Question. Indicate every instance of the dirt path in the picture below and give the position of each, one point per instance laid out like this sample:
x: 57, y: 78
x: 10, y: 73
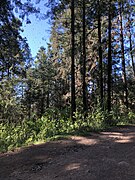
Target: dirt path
x: 103, y: 156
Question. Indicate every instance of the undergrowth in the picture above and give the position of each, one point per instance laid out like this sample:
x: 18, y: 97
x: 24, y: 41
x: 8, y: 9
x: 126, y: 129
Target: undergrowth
x: 13, y: 135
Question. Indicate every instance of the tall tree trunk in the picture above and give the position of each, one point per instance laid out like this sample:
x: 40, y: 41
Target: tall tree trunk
x: 109, y: 60
x: 47, y: 99
x: 29, y: 101
x: 42, y: 103
x: 2, y: 71
x: 123, y: 57
x: 131, y: 48
x: 84, y: 61
x: 73, y: 98
x: 100, y: 56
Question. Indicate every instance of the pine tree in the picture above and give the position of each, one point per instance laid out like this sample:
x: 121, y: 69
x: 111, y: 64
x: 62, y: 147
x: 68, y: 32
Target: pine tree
x: 73, y: 99
x: 109, y: 57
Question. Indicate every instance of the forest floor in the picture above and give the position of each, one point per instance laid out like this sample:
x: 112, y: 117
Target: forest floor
x: 106, y: 155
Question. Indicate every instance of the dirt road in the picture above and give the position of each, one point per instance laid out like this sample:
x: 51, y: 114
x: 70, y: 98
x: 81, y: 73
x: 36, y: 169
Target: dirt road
x: 99, y: 156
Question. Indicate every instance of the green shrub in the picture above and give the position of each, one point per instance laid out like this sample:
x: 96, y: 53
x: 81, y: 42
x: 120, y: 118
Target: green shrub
x: 27, y: 132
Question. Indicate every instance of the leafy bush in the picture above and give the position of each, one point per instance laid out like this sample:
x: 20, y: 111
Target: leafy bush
x: 131, y: 117
x: 27, y: 132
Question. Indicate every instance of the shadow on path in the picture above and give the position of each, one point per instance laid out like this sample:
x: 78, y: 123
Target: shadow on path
x: 107, y: 155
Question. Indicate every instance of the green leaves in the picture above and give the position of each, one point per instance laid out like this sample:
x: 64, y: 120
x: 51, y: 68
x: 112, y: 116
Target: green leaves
x: 24, y: 133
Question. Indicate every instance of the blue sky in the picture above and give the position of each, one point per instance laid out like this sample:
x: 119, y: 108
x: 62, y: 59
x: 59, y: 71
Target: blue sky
x: 37, y: 33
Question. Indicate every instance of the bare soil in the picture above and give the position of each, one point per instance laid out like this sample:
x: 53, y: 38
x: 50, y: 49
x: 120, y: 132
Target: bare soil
x: 106, y: 155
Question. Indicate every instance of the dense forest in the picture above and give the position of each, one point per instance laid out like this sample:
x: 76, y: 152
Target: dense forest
x: 85, y: 79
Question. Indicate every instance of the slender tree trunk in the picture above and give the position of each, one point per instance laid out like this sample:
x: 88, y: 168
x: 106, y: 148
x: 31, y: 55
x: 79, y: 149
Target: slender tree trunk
x: 131, y: 48
x: 2, y: 72
x: 73, y: 98
x: 109, y: 61
x: 29, y: 101
x: 123, y: 57
x: 60, y: 96
x: 8, y: 72
x: 22, y: 98
x: 42, y: 104
x: 84, y: 61
x: 100, y: 56
x: 47, y: 99
x: 131, y: 53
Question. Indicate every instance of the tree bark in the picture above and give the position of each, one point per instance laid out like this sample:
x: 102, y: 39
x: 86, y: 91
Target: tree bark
x: 100, y: 56
x: 47, y: 99
x: 123, y: 57
x: 131, y: 48
x: 109, y: 60
x: 73, y: 98
x: 84, y: 61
